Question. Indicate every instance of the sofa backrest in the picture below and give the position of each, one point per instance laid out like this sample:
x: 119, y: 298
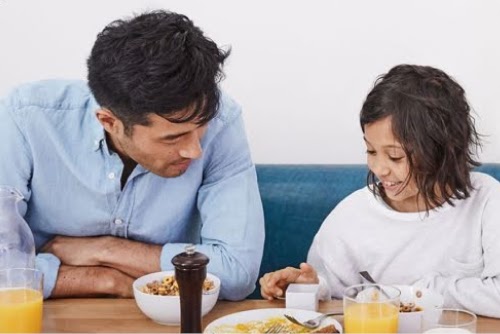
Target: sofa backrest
x: 296, y: 200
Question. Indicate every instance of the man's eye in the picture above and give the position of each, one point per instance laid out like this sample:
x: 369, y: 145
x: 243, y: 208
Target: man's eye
x: 171, y: 141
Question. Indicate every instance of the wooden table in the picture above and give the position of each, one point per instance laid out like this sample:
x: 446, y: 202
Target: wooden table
x: 122, y: 315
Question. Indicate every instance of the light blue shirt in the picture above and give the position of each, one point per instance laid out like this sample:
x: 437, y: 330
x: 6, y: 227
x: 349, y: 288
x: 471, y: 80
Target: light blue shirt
x: 53, y: 149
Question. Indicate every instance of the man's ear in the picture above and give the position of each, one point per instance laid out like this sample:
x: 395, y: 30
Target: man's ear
x: 108, y: 120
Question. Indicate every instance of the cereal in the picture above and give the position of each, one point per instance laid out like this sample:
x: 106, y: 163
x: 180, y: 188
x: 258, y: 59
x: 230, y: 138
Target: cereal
x: 409, y: 307
x: 168, y: 287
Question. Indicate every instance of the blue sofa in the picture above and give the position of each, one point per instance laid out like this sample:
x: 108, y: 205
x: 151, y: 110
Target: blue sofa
x: 296, y: 200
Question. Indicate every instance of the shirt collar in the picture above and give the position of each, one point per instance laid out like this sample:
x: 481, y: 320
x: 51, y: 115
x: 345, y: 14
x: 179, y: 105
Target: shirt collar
x: 97, y: 137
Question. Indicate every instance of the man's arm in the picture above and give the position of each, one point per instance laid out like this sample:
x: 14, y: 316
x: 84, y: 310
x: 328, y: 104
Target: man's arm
x: 92, y: 281
x: 17, y: 165
x: 133, y: 258
x: 230, y: 208
x: 16, y: 171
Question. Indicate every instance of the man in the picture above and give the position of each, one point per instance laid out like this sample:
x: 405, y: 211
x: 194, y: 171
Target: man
x: 118, y: 175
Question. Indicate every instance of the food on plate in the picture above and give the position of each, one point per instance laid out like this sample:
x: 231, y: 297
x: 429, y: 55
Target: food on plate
x: 168, y: 287
x: 261, y: 326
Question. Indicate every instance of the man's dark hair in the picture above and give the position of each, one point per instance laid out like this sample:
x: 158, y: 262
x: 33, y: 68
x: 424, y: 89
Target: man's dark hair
x: 432, y: 120
x: 157, y: 62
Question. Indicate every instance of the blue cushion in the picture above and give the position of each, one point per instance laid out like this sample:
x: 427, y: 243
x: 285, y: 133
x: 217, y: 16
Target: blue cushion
x: 296, y: 200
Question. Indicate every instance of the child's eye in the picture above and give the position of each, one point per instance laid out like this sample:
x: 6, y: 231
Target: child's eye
x: 396, y: 158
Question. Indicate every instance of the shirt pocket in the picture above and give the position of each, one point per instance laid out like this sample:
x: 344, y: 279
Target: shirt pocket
x: 467, y: 268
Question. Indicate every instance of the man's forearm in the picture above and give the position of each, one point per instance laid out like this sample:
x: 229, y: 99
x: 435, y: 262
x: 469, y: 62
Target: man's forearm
x: 131, y: 257
x: 134, y: 258
x: 91, y: 282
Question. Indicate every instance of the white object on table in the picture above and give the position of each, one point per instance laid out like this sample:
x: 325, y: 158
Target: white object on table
x: 302, y: 296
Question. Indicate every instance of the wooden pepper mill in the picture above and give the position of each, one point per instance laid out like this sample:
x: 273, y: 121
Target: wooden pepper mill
x: 190, y: 273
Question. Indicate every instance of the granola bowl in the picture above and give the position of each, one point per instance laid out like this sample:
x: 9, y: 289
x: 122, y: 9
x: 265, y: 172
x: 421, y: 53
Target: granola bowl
x: 166, y: 309
x: 415, y: 302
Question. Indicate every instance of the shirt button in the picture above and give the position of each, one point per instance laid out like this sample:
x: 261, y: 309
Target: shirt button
x: 118, y: 221
x: 111, y: 176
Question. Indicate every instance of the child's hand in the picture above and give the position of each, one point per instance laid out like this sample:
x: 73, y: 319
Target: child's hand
x: 273, y: 284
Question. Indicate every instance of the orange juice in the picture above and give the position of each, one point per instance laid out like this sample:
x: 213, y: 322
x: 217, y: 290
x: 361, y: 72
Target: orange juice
x: 20, y: 311
x: 371, y: 318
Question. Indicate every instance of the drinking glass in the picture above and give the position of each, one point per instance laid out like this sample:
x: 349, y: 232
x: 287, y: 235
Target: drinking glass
x: 446, y: 320
x: 371, y: 308
x: 21, y: 300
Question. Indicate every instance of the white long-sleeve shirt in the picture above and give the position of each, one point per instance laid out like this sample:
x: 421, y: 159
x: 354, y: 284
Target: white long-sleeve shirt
x: 454, y: 250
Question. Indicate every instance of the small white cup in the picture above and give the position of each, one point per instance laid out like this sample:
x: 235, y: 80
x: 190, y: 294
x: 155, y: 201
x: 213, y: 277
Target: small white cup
x: 447, y: 320
x: 302, y: 296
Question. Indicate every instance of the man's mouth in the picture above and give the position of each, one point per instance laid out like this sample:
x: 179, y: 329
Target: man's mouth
x: 183, y: 164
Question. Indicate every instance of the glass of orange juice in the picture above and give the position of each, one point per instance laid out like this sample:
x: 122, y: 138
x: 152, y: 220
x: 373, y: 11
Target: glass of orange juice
x: 21, y: 300
x: 371, y: 308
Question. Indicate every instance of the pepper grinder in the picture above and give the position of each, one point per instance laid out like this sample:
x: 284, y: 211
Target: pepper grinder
x: 190, y: 273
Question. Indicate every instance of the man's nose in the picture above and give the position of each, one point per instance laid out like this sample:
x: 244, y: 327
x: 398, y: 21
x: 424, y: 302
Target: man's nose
x: 192, y: 148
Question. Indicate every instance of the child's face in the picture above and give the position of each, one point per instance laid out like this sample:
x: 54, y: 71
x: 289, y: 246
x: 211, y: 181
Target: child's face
x: 387, y: 160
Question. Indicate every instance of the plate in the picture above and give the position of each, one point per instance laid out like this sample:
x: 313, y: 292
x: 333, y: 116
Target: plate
x: 225, y: 324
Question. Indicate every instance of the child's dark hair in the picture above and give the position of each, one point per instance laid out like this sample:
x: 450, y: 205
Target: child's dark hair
x: 157, y: 62
x: 432, y: 120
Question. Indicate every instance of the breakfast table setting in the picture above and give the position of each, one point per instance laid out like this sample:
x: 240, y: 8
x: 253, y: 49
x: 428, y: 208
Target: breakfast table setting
x: 111, y: 315
x: 186, y: 300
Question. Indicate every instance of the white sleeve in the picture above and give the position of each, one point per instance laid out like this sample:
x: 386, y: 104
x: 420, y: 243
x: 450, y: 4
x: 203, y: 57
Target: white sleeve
x: 479, y: 293
x: 332, y: 258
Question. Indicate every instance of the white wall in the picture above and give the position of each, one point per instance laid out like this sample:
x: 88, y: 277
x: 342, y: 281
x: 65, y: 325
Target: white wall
x: 300, y: 69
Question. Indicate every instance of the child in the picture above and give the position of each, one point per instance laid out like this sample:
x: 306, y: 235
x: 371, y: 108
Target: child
x: 425, y: 218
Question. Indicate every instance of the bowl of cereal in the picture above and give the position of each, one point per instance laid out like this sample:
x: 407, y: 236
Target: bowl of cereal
x: 157, y: 296
x: 414, y: 302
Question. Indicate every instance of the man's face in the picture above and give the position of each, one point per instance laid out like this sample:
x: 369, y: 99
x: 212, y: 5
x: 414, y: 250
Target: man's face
x: 162, y: 147
x: 388, y: 161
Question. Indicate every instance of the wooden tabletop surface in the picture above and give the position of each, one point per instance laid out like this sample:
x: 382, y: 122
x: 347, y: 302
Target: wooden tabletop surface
x: 122, y: 315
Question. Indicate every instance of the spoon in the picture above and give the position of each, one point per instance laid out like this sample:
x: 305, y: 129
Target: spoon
x: 370, y: 279
x: 311, y: 323
x: 367, y: 277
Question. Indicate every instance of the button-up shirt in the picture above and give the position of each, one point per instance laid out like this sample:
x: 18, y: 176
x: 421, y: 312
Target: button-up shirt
x: 53, y: 150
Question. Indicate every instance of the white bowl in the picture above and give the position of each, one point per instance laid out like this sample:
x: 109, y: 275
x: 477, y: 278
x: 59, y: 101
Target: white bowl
x: 166, y: 310
x: 427, y: 300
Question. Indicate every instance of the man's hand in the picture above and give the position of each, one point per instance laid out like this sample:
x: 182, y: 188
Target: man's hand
x: 131, y: 257
x: 273, y: 284
x: 92, y: 282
